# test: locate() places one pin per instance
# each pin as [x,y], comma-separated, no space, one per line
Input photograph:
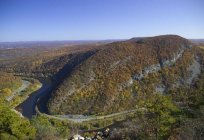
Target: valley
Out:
[131,84]
[101,70]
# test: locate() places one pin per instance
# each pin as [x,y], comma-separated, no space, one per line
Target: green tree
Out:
[6,91]
[12,125]
[50,129]
[156,112]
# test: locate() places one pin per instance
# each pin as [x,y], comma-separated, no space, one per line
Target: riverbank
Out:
[27,108]
[16,92]
[18,96]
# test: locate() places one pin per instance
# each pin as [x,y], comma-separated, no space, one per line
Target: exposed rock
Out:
[147,70]
[195,70]
[157,67]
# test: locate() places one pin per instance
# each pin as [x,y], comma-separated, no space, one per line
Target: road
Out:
[82,118]
[24,85]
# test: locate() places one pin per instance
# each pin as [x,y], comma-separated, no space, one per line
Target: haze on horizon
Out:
[39,20]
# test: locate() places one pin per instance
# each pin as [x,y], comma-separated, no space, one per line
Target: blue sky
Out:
[36,20]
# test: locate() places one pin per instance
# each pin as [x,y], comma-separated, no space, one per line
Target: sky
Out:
[44,20]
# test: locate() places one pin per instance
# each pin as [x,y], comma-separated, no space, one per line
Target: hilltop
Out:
[109,80]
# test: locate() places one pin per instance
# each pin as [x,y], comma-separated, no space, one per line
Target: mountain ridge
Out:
[101,81]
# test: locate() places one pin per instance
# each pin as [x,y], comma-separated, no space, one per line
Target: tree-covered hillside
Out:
[110,80]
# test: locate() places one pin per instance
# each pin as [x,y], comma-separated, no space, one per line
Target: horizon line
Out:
[91,40]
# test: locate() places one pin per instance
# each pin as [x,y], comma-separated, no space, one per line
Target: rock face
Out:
[195,70]
[103,82]
[157,67]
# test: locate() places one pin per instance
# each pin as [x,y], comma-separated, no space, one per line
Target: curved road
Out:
[82,118]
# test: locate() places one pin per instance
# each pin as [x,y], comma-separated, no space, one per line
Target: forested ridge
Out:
[107,81]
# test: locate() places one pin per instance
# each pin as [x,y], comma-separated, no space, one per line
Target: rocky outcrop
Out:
[147,70]
[195,70]
[159,66]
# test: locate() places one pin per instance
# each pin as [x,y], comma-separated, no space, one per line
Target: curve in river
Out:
[27,108]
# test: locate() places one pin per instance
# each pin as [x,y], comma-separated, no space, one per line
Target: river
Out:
[27,108]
